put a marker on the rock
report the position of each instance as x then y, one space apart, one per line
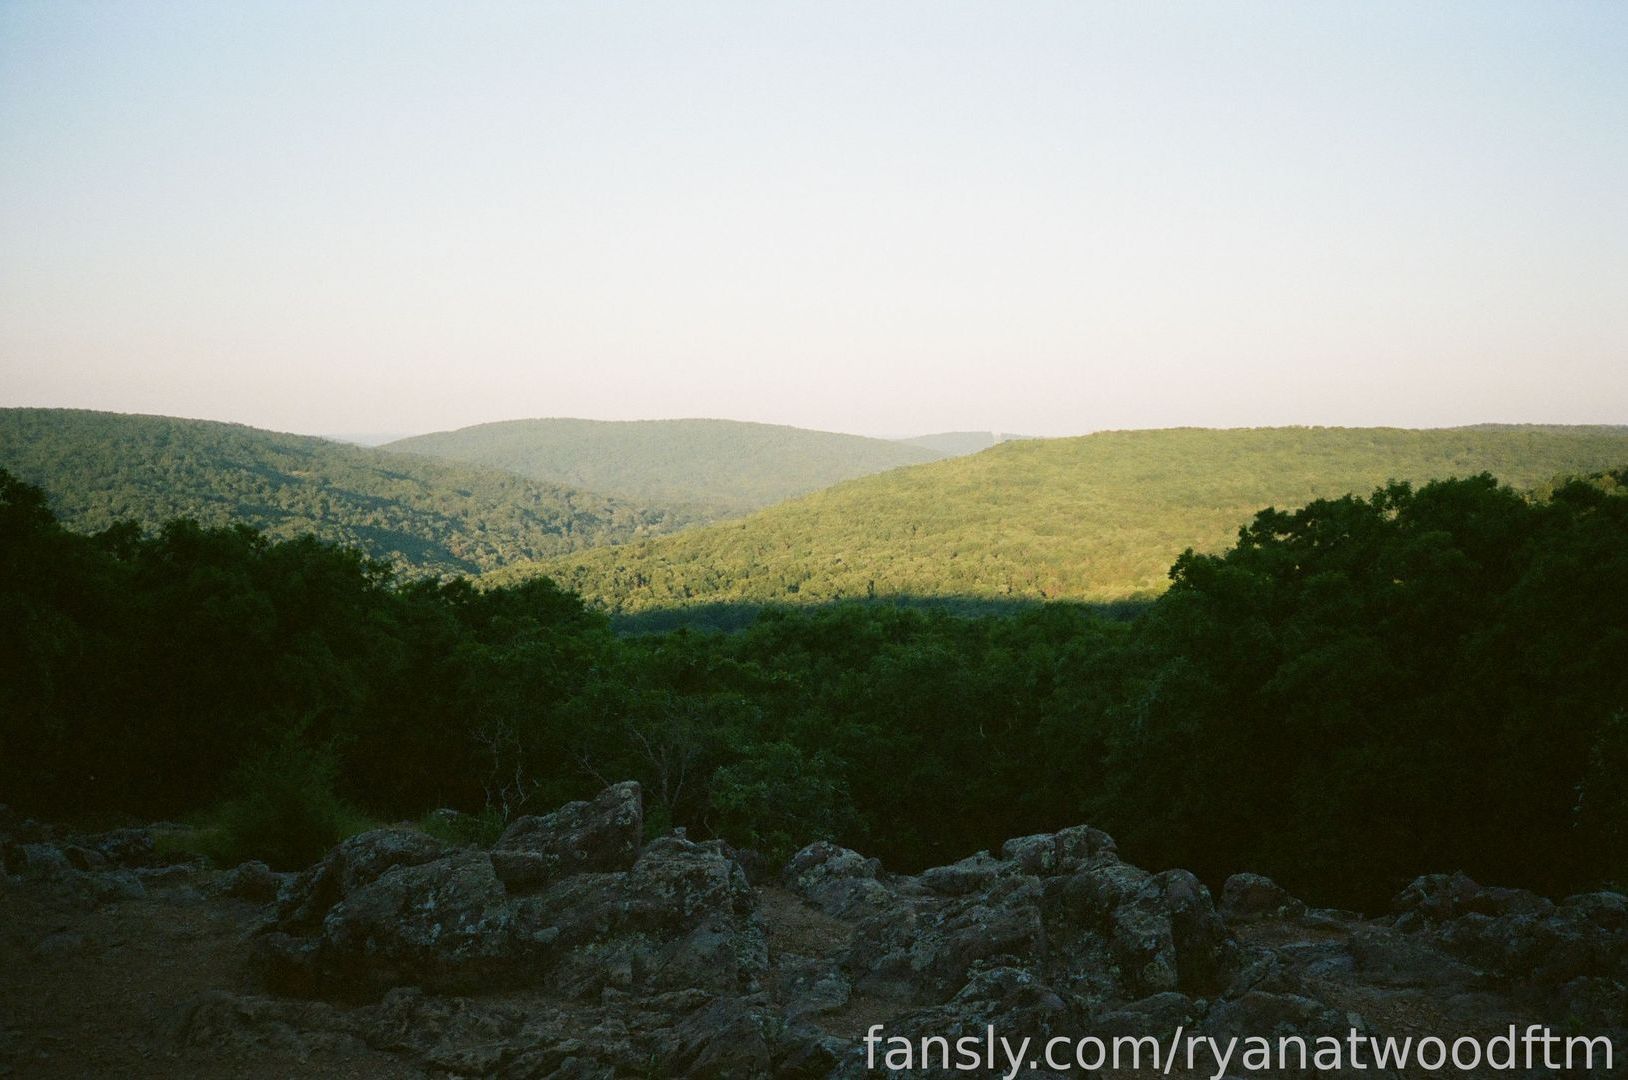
255 1025
164 877
1585 936
969 875
604 834
250 881
1386 958
40 862
1434 897
683 917
58 944
112 886
1157 1015
836 880
727 1038
305 901
808 988
84 858
388 909
1009 999
1274 1016
573 949
443 925
1251 897
1061 852
1168 936
923 948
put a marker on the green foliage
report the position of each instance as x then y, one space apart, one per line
721 467
421 516
1366 688
1354 693
480 829
780 797
283 811
1098 518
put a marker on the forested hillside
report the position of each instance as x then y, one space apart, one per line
724 466
421 515
1357 692
1095 518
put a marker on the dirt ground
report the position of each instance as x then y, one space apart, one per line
94 991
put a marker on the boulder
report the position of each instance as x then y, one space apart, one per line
1168 936
838 881
250 881
1252 897
397 909
969 875
923 948
1062 852
304 902
604 834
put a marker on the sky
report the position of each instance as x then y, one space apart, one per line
1045 218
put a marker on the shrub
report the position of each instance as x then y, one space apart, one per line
465 830
284 811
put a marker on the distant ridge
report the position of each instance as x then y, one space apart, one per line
1099 517
719 467
956 443
424 516
366 438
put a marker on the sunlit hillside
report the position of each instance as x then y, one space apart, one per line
1098 518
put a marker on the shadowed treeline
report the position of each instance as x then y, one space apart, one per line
1356 692
740 616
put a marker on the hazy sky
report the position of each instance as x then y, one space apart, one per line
874 217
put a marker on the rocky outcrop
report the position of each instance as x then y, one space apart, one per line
580 837
662 952
574 948
1249 898
573 901
94 869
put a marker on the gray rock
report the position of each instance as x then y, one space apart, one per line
1251 897
969 875
1061 852
1168 936
305 901
388 909
58 944
604 834
1434 897
838 881
250 881
922 949
41 862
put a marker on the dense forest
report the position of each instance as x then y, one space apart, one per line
1097 518
1355 692
724 468
423 516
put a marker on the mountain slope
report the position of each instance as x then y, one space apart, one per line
956 443
727 466
1098 518
424 516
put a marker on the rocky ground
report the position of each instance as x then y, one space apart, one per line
573 948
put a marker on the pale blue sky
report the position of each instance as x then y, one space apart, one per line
873 217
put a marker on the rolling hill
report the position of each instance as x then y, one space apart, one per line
1096 518
956 443
722 467
424 516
